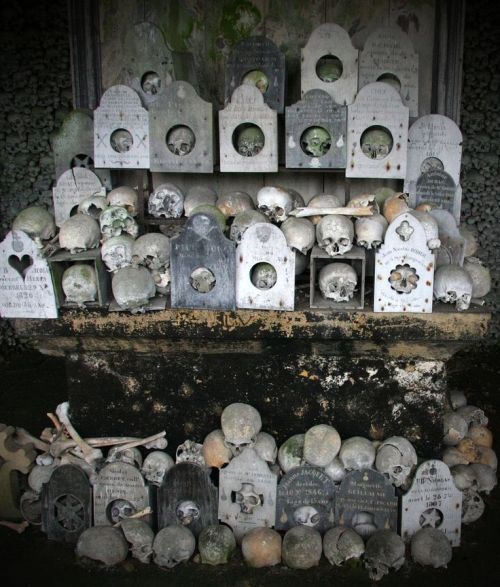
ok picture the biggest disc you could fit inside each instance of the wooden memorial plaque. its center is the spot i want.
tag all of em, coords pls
(247, 494)
(66, 504)
(404, 269)
(265, 244)
(121, 130)
(248, 133)
(258, 61)
(71, 188)
(366, 501)
(306, 495)
(388, 56)
(187, 496)
(377, 133)
(202, 263)
(316, 129)
(26, 289)
(330, 63)
(181, 131)
(73, 146)
(119, 491)
(432, 501)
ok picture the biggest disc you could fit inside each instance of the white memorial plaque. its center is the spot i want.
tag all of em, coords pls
(330, 62)
(388, 56)
(248, 133)
(377, 133)
(26, 289)
(404, 269)
(181, 131)
(265, 244)
(71, 188)
(247, 494)
(432, 501)
(121, 130)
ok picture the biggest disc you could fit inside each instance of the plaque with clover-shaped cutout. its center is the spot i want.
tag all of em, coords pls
(73, 145)
(181, 131)
(66, 504)
(119, 492)
(247, 493)
(388, 56)
(433, 501)
(248, 133)
(404, 269)
(257, 61)
(187, 496)
(265, 270)
(366, 501)
(202, 264)
(377, 133)
(316, 129)
(71, 188)
(26, 289)
(306, 496)
(121, 130)
(434, 160)
(330, 63)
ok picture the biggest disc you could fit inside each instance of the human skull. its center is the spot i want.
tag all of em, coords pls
(240, 423)
(265, 447)
(30, 506)
(480, 435)
(181, 140)
(323, 201)
(457, 398)
(114, 221)
(173, 545)
(453, 457)
(244, 220)
(471, 244)
(299, 233)
(385, 550)
(453, 285)
(370, 231)
(264, 276)
(121, 140)
(357, 453)
(394, 206)
(250, 141)
(472, 506)
(473, 415)
(275, 202)
(307, 515)
(133, 287)
(403, 278)
(120, 509)
(301, 262)
(463, 477)
(152, 250)
(166, 200)
(337, 281)
(376, 143)
(211, 211)
(190, 452)
(298, 200)
(103, 544)
(291, 453)
(487, 456)
(321, 445)
(396, 459)
(215, 452)
(155, 465)
(116, 252)
(140, 536)
(485, 477)
(431, 548)
(256, 78)
(131, 456)
(329, 69)
(79, 233)
(454, 428)
(187, 511)
(79, 284)
(37, 223)
(216, 544)
(198, 195)
(341, 544)
(125, 197)
(480, 276)
(261, 547)
(151, 83)
(39, 475)
(93, 206)
(247, 498)
(202, 280)
(430, 226)
(302, 547)
(335, 470)
(315, 141)
(233, 203)
(335, 234)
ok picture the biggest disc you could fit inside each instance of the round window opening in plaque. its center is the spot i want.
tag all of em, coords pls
(329, 68)
(202, 280)
(82, 160)
(431, 164)
(263, 276)
(391, 80)
(403, 279)
(315, 141)
(256, 78)
(121, 140)
(376, 142)
(248, 139)
(180, 140)
(151, 83)
(119, 509)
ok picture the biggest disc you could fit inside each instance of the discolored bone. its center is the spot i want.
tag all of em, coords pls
(91, 455)
(344, 211)
(17, 527)
(23, 437)
(142, 441)
(137, 515)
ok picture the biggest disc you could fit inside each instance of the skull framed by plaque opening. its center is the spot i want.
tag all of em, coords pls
(151, 83)
(119, 509)
(391, 79)
(187, 511)
(315, 141)
(180, 140)
(121, 140)
(257, 78)
(376, 142)
(202, 280)
(247, 498)
(248, 139)
(329, 68)
(263, 275)
(403, 279)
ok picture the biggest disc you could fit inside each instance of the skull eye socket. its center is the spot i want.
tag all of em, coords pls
(376, 142)
(329, 68)
(345, 242)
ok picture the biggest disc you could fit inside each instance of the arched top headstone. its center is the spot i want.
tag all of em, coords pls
(71, 188)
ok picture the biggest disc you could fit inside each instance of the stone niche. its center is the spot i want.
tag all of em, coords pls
(388, 56)
(257, 61)
(377, 133)
(330, 63)
(181, 131)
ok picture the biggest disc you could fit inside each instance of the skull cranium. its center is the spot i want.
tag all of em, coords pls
(337, 281)
(335, 234)
(166, 200)
(275, 202)
(315, 141)
(249, 140)
(453, 285)
(181, 140)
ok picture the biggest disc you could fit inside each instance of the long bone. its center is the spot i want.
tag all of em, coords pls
(145, 512)
(22, 437)
(89, 454)
(305, 212)
(143, 441)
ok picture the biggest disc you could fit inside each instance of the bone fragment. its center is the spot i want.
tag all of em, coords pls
(89, 454)
(23, 437)
(305, 212)
(17, 527)
(142, 442)
(141, 514)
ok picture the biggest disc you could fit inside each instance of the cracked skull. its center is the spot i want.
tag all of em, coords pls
(116, 220)
(116, 252)
(453, 285)
(396, 459)
(140, 536)
(341, 544)
(275, 202)
(152, 250)
(166, 200)
(335, 234)
(240, 423)
(337, 281)
(403, 278)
